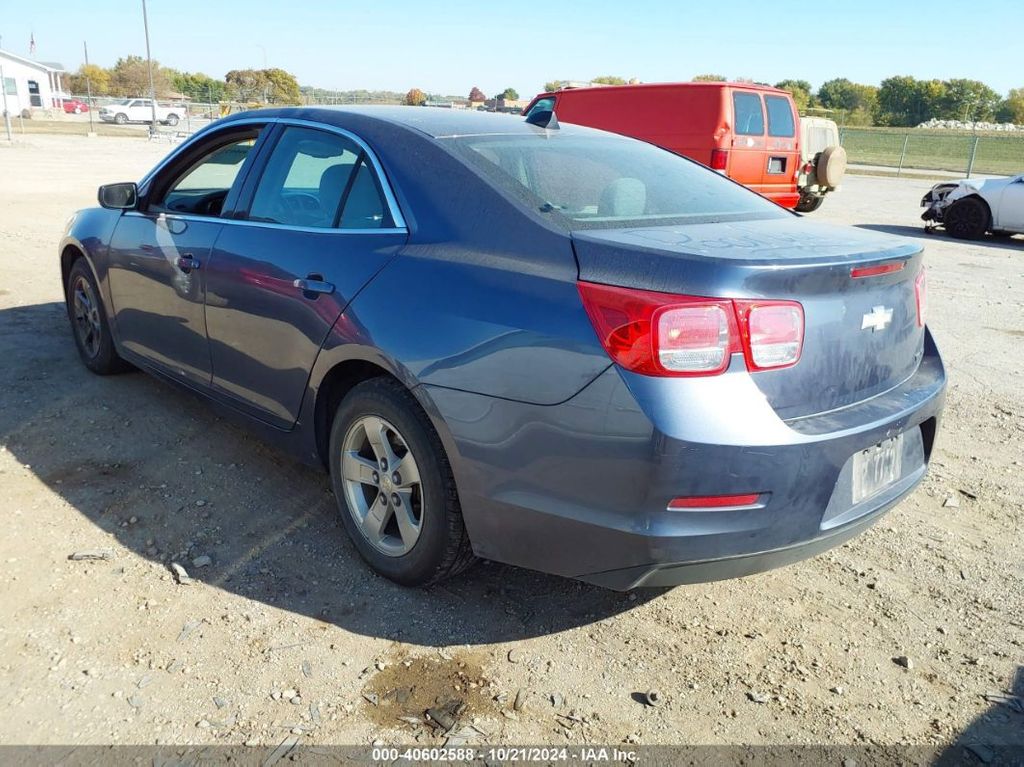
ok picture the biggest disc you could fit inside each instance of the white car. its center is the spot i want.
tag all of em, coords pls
(140, 111)
(971, 207)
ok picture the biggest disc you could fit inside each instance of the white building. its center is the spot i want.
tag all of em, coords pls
(30, 84)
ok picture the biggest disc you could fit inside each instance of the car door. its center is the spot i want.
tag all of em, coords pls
(779, 168)
(747, 154)
(159, 253)
(1009, 213)
(319, 222)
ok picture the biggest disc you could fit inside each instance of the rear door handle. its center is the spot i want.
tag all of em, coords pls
(314, 285)
(187, 262)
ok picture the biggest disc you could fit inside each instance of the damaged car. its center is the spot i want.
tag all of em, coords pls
(973, 206)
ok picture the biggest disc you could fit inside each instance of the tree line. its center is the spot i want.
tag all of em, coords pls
(130, 77)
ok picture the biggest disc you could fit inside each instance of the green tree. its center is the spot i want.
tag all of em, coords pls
(130, 77)
(1011, 109)
(98, 80)
(274, 86)
(197, 86)
(709, 78)
(907, 102)
(415, 97)
(509, 94)
(553, 85)
(842, 94)
(609, 80)
(801, 91)
(475, 94)
(968, 100)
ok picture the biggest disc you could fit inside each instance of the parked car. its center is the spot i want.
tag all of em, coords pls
(562, 349)
(74, 106)
(141, 111)
(973, 206)
(748, 132)
(822, 162)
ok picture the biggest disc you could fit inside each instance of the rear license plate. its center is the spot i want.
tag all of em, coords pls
(876, 468)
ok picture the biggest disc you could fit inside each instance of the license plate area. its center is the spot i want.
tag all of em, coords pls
(876, 468)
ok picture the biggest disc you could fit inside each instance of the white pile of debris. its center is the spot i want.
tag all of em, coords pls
(965, 125)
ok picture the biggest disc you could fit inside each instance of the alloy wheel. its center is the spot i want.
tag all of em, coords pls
(382, 487)
(87, 316)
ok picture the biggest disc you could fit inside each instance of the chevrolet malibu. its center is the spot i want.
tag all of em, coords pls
(543, 345)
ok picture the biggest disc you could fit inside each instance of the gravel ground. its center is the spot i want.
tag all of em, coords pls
(894, 638)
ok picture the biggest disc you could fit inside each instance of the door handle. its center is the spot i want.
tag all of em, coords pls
(187, 262)
(314, 285)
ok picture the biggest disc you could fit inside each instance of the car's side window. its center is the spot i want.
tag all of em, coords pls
(318, 179)
(544, 105)
(201, 188)
(749, 116)
(780, 117)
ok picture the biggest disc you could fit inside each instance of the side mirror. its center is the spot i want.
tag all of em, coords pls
(123, 196)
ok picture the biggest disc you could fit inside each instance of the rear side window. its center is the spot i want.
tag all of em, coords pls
(749, 116)
(780, 116)
(318, 179)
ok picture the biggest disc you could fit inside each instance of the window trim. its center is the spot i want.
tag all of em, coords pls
(399, 225)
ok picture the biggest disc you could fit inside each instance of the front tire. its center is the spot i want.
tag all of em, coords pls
(967, 219)
(172, 120)
(120, 118)
(89, 324)
(394, 486)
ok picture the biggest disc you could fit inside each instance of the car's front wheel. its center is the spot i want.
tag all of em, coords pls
(967, 218)
(89, 323)
(394, 486)
(120, 118)
(172, 120)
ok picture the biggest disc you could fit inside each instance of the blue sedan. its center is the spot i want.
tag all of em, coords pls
(543, 345)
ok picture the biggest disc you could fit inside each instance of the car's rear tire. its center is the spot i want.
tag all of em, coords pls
(809, 202)
(408, 527)
(89, 324)
(120, 118)
(967, 218)
(172, 120)
(78, 110)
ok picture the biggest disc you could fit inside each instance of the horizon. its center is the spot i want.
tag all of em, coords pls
(448, 50)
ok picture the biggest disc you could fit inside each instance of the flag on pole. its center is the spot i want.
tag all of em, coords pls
(32, 44)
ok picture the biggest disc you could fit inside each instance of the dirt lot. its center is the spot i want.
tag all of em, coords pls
(286, 633)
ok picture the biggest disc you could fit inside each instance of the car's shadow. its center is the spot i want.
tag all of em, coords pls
(171, 481)
(988, 241)
(995, 736)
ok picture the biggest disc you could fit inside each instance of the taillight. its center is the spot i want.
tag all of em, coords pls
(719, 159)
(921, 294)
(668, 335)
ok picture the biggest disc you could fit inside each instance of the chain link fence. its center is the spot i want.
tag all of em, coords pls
(953, 151)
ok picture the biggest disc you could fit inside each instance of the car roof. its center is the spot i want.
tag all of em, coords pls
(709, 84)
(436, 122)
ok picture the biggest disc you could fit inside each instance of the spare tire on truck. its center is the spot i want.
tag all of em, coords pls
(831, 166)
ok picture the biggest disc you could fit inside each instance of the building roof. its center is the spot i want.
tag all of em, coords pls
(47, 66)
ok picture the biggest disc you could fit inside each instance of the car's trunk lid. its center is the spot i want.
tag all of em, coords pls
(861, 333)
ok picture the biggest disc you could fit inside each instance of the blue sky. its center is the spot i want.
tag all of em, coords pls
(448, 47)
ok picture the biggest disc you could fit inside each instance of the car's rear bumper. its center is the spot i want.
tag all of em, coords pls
(581, 489)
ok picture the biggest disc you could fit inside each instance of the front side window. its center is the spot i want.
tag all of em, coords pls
(203, 186)
(780, 117)
(749, 117)
(318, 179)
(594, 180)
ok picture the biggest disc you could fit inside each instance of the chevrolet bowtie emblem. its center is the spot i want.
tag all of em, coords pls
(877, 319)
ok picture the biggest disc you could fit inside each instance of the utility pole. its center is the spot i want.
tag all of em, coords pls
(7, 115)
(149, 63)
(88, 87)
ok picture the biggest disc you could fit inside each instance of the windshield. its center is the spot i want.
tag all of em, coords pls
(604, 181)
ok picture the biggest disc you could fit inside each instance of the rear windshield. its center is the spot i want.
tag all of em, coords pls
(780, 116)
(605, 181)
(749, 117)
